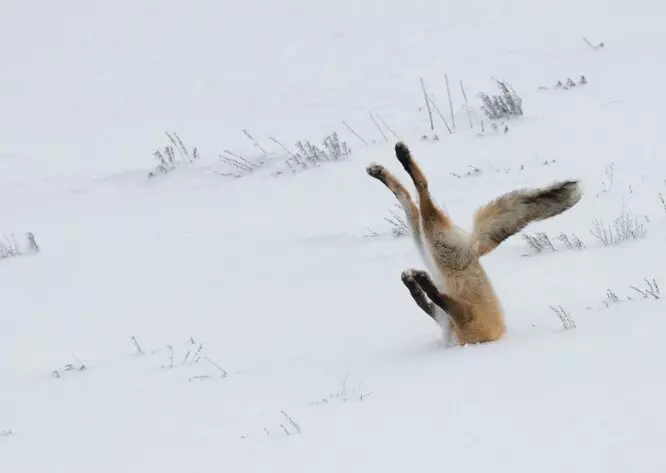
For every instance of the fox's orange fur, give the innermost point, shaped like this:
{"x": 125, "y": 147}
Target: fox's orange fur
{"x": 452, "y": 255}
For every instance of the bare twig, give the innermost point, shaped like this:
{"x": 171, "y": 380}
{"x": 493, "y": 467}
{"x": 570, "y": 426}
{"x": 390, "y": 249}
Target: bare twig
{"x": 11, "y": 247}
{"x": 399, "y": 226}
{"x": 387, "y": 127}
{"x": 222, "y": 370}
{"x": 170, "y": 357}
{"x": 600, "y": 45}
{"x": 82, "y": 366}
{"x": 196, "y": 356}
{"x": 139, "y": 351}
{"x": 564, "y": 316}
{"x": 448, "y": 91}
{"x": 469, "y": 114}
{"x": 441, "y": 115}
{"x": 281, "y": 146}
{"x": 652, "y": 290}
{"x": 377, "y": 125}
{"x": 256, "y": 143}
{"x": 292, "y": 422}
{"x": 32, "y": 243}
{"x": 355, "y": 134}
{"x": 425, "y": 96}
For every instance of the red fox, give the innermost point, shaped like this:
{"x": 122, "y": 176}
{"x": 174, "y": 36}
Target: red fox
{"x": 471, "y": 309}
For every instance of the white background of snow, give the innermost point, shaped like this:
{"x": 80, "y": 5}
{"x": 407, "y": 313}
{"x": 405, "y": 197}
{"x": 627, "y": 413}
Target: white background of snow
{"x": 274, "y": 275}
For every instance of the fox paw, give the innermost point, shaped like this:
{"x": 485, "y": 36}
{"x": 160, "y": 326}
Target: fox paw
{"x": 419, "y": 275}
{"x": 413, "y": 274}
{"x": 375, "y": 170}
{"x": 403, "y": 155}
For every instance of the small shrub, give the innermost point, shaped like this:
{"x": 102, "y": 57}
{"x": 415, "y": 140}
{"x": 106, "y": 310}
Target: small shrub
{"x": 309, "y": 155}
{"x": 573, "y": 243}
{"x": 506, "y": 105}
{"x": 167, "y": 159}
{"x": 292, "y": 423}
{"x": 70, "y": 367}
{"x": 564, "y": 316}
{"x": 399, "y": 227}
{"x": 567, "y": 84}
{"x": 541, "y": 242}
{"x": 344, "y": 394}
{"x": 241, "y": 165}
{"x": 611, "y": 298}
{"x": 10, "y": 247}
{"x": 651, "y": 291}
{"x": 625, "y": 227}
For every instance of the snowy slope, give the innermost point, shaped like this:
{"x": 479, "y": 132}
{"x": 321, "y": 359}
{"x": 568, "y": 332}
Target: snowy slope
{"x": 275, "y": 332}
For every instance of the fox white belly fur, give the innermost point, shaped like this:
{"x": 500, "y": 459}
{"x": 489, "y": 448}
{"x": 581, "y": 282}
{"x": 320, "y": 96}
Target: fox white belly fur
{"x": 455, "y": 291}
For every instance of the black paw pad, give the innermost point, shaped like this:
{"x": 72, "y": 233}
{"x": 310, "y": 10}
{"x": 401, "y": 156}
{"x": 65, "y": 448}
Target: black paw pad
{"x": 403, "y": 155}
{"x": 419, "y": 275}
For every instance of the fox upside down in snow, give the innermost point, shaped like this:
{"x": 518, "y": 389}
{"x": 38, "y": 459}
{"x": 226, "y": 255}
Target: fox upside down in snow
{"x": 470, "y": 305}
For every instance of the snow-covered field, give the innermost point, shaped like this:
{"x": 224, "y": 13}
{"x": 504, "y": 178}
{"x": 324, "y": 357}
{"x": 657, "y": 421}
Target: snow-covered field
{"x": 274, "y": 330}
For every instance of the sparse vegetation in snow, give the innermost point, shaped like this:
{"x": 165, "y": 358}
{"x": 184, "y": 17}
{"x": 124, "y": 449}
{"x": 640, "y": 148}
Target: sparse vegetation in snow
{"x": 565, "y": 317}
{"x": 309, "y": 155}
{"x": 79, "y": 366}
{"x": 344, "y": 394}
{"x": 506, "y": 105}
{"x": 11, "y": 247}
{"x": 541, "y": 242}
{"x": 625, "y": 227}
{"x": 172, "y": 155}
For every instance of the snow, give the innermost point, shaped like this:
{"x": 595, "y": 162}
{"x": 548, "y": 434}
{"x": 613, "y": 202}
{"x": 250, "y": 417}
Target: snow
{"x": 302, "y": 315}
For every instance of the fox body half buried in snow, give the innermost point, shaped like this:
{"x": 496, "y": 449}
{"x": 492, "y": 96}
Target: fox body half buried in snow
{"x": 469, "y": 307}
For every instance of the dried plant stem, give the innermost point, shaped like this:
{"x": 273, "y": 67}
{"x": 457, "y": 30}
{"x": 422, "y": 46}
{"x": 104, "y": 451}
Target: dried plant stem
{"x": 222, "y": 370}
{"x": 469, "y": 114}
{"x": 236, "y": 155}
{"x": 448, "y": 91}
{"x": 377, "y": 125}
{"x": 255, "y": 142}
{"x": 425, "y": 95}
{"x": 139, "y": 351}
{"x": 293, "y": 423}
{"x": 564, "y": 316}
{"x": 178, "y": 144}
{"x": 281, "y": 146}
{"x": 354, "y": 133}
{"x": 434, "y": 105}
{"x": 387, "y": 127}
